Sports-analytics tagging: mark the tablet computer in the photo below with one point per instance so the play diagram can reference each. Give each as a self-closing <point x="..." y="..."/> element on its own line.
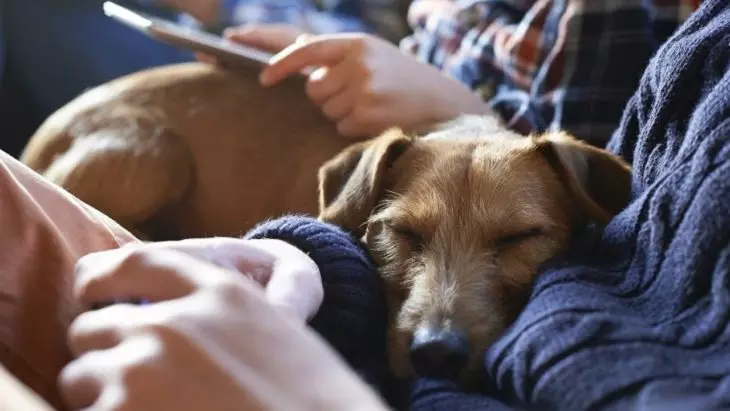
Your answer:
<point x="187" y="37"/>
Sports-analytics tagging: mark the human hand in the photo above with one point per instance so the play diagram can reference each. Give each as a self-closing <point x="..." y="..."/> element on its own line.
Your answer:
<point x="291" y="279"/>
<point x="267" y="37"/>
<point x="208" y="340"/>
<point x="367" y="85"/>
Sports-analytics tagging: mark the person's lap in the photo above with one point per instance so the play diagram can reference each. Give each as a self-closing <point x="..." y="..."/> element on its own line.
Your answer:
<point x="44" y="231"/>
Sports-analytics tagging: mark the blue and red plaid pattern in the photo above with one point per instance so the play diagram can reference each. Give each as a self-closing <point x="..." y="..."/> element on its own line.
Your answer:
<point x="547" y="64"/>
<point x="541" y="64"/>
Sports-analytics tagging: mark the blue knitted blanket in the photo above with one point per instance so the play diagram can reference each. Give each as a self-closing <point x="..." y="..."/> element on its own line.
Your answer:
<point x="638" y="317"/>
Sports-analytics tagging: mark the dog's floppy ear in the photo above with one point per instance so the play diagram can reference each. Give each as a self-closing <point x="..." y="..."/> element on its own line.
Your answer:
<point x="351" y="184"/>
<point x="599" y="181"/>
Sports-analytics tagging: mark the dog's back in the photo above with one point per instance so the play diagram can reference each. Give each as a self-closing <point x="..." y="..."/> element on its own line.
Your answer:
<point x="188" y="150"/>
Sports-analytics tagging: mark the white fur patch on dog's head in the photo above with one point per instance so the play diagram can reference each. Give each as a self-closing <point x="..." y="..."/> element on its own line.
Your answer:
<point x="469" y="127"/>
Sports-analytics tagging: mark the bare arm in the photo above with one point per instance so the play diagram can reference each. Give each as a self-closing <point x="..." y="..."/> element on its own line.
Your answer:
<point x="17" y="396"/>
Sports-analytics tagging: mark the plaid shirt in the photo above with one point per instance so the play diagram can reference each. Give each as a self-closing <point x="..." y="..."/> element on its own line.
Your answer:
<point x="547" y="64"/>
<point x="541" y="64"/>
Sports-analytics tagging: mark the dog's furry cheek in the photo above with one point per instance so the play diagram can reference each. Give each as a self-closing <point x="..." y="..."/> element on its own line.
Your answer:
<point x="399" y="338"/>
<point x="384" y="250"/>
<point x="397" y="264"/>
<point x="395" y="261"/>
<point x="405" y="318"/>
<point x="398" y="349"/>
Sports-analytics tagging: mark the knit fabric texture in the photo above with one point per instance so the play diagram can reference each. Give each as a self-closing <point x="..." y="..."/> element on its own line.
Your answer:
<point x="638" y="317"/>
<point x="353" y="314"/>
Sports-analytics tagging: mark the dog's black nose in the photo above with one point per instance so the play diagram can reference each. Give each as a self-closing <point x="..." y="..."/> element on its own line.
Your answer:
<point x="438" y="353"/>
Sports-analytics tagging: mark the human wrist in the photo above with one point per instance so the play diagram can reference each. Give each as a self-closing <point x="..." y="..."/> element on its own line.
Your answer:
<point x="454" y="100"/>
<point x="464" y="101"/>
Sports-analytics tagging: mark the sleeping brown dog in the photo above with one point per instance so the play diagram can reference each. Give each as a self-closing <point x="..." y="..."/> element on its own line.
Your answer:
<point x="458" y="223"/>
<point x="188" y="150"/>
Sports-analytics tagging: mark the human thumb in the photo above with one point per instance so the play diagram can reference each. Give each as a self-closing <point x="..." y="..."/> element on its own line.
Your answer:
<point x="268" y="37"/>
<point x="296" y="288"/>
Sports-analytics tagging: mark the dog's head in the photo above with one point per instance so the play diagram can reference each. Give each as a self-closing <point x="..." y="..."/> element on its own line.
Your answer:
<point x="459" y="222"/>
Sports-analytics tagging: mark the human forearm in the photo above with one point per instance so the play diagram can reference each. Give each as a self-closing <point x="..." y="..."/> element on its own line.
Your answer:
<point x="16" y="396"/>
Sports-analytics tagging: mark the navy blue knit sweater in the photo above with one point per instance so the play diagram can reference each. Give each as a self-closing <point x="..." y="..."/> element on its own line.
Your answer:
<point x="353" y="314"/>
<point x="638" y="318"/>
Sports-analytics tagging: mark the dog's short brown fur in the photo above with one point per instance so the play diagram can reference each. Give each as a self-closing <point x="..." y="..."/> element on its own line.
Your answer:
<point x="459" y="221"/>
<point x="188" y="150"/>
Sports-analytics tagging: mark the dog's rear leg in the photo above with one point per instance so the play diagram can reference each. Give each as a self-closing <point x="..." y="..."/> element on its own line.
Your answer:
<point x="130" y="178"/>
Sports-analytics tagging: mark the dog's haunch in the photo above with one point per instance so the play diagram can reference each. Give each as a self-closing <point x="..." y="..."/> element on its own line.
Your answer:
<point x="459" y="223"/>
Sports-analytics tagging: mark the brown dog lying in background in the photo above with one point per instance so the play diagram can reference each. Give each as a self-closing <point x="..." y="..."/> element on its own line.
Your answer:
<point x="458" y="223"/>
<point x="188" y="150"/>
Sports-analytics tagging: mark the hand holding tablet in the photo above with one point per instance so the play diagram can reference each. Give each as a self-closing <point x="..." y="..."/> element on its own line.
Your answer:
<point x="187" y="37"/>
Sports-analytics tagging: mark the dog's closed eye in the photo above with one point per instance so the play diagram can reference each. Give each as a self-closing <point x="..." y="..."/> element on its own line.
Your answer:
<point x="414" y="239"/>
<point x="518" y="237"/>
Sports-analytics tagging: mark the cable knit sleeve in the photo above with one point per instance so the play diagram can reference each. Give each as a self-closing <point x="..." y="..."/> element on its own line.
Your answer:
<point x="353" y="315"/>
<point x="433" y="395"/>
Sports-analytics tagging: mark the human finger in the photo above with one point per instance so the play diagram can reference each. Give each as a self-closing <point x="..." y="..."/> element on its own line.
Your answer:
<point x="295" y="289"/>
<point x="323" y="83"/>
<point x="244" y="256"/>
<point x="253" y="258"/>
<point x="269" y="37"/>
<point x="291" y="279"/>
<point x="100" y="329"/>
<point x="341" y="105"/>
<point x="205" y="58"/>
<point x="326" y="82"/>
<point x="79" y="383"/>
<point x="317" y="51"/>
<point x="356" y="125"/>
<point x="132" y="273"/>
<point x="92" y="380"/>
